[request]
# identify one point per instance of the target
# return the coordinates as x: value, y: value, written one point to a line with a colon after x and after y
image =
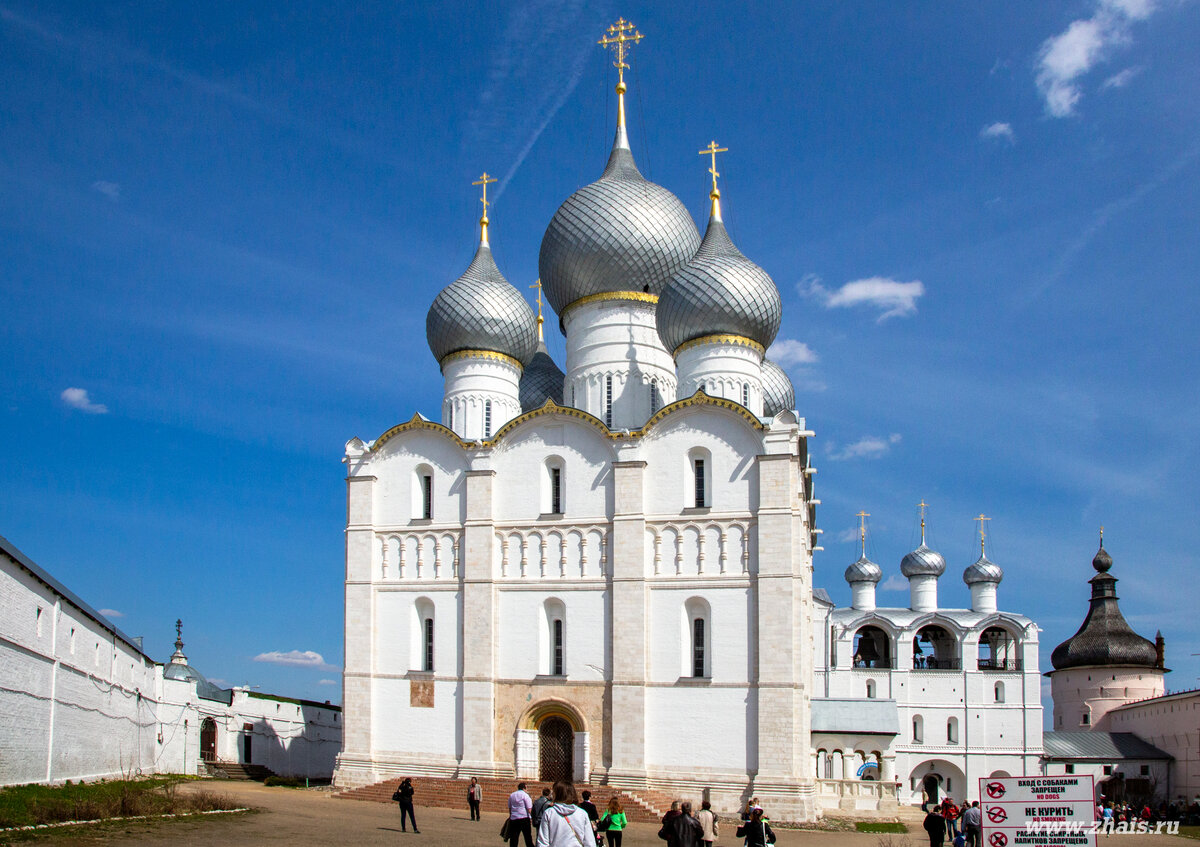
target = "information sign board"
x: 1038, y: 811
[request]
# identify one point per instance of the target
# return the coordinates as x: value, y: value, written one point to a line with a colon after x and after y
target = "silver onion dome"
x: 778, y: 393
x: 621, y: 233
x: 719, y: 292
x: 984, y: 570
x: 864, y: 570
x: 541, y: 381
x: 923, y: 562
x: 481, y: 311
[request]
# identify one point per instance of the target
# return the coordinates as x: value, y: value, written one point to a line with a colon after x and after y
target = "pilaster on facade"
x: 628, y: 614
x: 478, y: 623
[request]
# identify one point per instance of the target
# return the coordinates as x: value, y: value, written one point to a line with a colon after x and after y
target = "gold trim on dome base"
x: 480, y: 354
x: 632, y: 296
x: 739, y: 340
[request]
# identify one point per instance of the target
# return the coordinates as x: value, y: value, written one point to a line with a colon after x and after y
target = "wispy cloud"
x: 895, y: 582
x: 295, y: 659
x: 999, y: 130
x: 787, y: 351
x: 539, y: 55
x: 112, y: 613
x: 327, y: 682
x: 892, y: 298
x: 848, y: 535
x: 1120, y: 80
x: 111, y: 190
x: 1065, y: 58
x: 867, y: 447
x: 77, y: 398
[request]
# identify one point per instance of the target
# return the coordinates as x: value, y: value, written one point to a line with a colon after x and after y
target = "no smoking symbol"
x: 996, y: 814
x: 995, y: 789
x: 998, y: 839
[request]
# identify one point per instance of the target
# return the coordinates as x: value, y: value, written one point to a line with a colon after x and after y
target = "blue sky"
x: 221, y: 226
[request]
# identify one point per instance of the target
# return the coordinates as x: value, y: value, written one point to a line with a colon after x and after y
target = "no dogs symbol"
x: 996, y: 814
x: 995, y: 789
x: 998, y: 839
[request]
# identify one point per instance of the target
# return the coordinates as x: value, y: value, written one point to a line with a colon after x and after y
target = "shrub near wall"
x: 26, y: 805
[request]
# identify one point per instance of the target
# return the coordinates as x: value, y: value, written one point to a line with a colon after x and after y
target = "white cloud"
x: 999, y: 130
x: 848, y: 535
x: 1120, y: 80
x: 112, y: 613
x: 294, y: 659
x: 895, y: 299
x: 77, y: 398
x: 786, y: 351
x: 111, y: 190
x: 327, y: 682
x: 867, y: 447
x: 895, y: 582
x: 1066, y: 57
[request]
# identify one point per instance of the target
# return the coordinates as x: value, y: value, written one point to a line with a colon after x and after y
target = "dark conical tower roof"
x: 541, y: 381
x: 1105, y: 637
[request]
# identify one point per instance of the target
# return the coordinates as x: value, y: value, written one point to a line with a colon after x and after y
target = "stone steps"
x: 237, y: 770
x: 640, y: 806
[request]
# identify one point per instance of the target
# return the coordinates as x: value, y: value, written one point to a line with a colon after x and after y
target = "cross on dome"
x: 862, y: 529
x: 620, y: 38
x: 537, y: 283
x: 712, y: 150
x: 982, y: 534
x: 483, y: 221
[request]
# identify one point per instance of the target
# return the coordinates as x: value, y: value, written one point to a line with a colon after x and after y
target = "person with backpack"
x: 708, y: 823
x: 614, y: 822
x: 539, y: 807
x: 756, y: 831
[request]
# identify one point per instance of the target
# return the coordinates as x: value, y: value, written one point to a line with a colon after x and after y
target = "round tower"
x: 1105, y: 664
x: 483, y: 333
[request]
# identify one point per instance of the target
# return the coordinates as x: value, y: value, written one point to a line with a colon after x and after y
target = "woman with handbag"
x: 613, y: 823
x: 564, y: 824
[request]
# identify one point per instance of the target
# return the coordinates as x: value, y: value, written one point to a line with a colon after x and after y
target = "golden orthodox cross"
x: 484, y: 180
x: 982, y: 534
x: 620, y: 38
x: 862, y: 516
x: 712, y: 150
x: 923, y: 506
x: 540, y: 320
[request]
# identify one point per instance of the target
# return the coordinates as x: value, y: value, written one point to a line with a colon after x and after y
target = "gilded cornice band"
x: 739, y: 340
x: 480, y: 354
x: 631, y: 296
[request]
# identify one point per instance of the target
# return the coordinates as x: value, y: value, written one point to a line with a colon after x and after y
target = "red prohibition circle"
x: 995, y: 789
x: 998, y: 839
x: 996, y: 814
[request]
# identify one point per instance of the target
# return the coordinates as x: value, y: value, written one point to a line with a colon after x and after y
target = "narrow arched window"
x: 999, y: 692
x: 746, y: 394
x: 700, y: 488
x: 487, y: 419
x: 427, y: 496
x: 427, y: 627
x: 608, y: 418
x: 653, y: 397
x: 450, y: 416
x: 870, y: 689
x: 952, y: 731
x: 918, y: 729
x: 557, y: 641
x: 556, y: 491
x: 698, y: 656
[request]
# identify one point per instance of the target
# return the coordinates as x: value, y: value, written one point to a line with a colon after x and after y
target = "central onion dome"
x: 481, y: 311
x: 719, y: 292
x: 621, y: 233
x: 864, y: 570
x: 778, y: 393
x: 923, y: 562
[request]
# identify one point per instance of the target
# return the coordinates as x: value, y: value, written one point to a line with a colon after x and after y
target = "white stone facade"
x: 585, y: 615
x: 1171, y: 723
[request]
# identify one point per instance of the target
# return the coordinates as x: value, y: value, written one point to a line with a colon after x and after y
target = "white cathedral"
x: 607, y: 574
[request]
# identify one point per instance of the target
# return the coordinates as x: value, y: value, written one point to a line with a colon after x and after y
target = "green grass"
x: 25, y: 805
x: 880, y: 826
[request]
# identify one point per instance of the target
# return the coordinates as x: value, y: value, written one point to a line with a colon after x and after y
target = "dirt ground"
x: 299, y: 817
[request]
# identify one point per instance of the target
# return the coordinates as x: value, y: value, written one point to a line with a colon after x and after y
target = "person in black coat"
x: 935, y: 825
x: 756, y: 831
x: 404, y: 796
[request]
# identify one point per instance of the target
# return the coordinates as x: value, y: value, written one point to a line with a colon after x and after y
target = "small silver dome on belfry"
x: 923, y: 561
x: 984, y: 569
x: 778, y: 393
x: 481, y: 311
x: 720, y: 291
x: 864, y: 570
x: 622, y: 233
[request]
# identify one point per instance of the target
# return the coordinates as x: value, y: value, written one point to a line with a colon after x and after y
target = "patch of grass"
x: 1190, y: 832
x: 25, y: 805
x: 880, y: 826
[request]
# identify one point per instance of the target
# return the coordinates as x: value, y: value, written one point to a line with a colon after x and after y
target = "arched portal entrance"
x: 933, y: 789
x: 208, y: 740
x: 556, y: 743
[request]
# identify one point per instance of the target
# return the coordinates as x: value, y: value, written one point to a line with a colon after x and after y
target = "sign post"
x: 1038, y: 811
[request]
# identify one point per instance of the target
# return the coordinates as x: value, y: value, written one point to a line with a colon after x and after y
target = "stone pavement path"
x: 298, y: 818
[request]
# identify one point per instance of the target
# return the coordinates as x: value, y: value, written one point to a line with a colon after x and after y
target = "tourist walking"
x: 404, y: 796
x: 756, y: 831
x: 683, y: 830
x: 950, y: 814
x: 539, y: 806
x: 474, y: 797
x: 666, y: 831
x: 972, y: 818
x: 520, y: 810
x: 563, y: 823
x: 708, y: 822
x: 614, y: 822
x: 935, y: 825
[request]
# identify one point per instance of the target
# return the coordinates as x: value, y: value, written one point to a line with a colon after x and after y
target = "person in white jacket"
x: 565, y: 824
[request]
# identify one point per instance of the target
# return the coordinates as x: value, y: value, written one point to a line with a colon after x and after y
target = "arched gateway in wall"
x: 552, y: 743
